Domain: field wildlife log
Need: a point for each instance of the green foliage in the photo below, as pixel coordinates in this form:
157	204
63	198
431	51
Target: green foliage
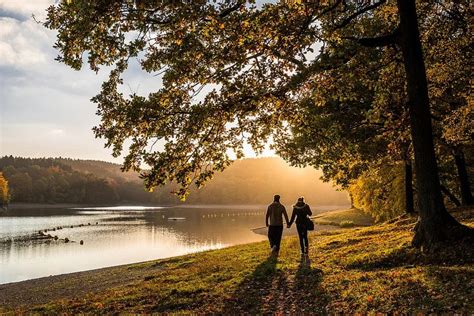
380	192
199	46
354	132
232	72
354	216
324	80
345	224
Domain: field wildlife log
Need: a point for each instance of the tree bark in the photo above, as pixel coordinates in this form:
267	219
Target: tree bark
409	203
465	186
435	222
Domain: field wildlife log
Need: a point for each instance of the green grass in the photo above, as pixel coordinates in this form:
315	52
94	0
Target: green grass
344	218
370	269
345	224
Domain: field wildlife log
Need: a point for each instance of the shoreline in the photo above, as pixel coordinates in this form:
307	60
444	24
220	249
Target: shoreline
21	205
319	229
380	270
68	285
82	284
259	231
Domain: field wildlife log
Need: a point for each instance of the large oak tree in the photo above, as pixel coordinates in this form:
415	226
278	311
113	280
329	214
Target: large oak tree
235	71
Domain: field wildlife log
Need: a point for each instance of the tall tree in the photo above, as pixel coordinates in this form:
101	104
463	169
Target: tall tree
234	71
436	224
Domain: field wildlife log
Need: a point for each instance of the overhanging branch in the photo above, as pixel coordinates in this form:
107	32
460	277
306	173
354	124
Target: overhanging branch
361	11
379	41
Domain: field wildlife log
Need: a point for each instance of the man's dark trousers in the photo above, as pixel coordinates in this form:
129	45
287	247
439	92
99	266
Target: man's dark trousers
274	236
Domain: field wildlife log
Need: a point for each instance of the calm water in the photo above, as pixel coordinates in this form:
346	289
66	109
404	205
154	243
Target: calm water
116	235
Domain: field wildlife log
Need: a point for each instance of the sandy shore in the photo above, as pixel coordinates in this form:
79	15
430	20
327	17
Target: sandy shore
66	286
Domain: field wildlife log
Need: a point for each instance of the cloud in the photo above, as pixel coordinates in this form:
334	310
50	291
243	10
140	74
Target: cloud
45	107
41	99
23	9
13	15
21	43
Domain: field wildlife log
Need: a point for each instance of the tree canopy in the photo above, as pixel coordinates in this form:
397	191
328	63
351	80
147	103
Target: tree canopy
231	71
336	84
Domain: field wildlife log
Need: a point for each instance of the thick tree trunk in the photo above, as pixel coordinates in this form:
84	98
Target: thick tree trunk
352	200
450	196
409	203
465	186
435	224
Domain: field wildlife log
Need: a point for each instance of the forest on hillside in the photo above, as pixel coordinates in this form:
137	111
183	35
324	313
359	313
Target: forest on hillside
248	181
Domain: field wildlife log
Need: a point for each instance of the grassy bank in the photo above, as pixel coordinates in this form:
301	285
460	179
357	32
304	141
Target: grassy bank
359	269
344	218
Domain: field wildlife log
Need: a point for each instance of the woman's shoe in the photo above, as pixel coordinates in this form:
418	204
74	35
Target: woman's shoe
274	251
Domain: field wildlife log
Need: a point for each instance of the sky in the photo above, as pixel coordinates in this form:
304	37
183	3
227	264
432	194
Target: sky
45	108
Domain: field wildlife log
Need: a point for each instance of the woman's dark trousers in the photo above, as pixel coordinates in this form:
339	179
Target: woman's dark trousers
274	236
303	234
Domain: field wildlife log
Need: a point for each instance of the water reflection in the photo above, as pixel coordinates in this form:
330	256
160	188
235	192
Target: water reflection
116	236
119	208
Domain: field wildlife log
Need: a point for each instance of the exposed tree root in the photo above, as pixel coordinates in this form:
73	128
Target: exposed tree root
432	235
402	219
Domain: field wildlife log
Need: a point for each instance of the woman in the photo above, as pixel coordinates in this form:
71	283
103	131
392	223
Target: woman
300	211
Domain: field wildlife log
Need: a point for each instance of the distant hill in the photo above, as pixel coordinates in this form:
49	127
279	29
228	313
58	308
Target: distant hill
258	179
247	181
100	168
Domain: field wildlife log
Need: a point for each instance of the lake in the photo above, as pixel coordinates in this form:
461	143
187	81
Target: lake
117	235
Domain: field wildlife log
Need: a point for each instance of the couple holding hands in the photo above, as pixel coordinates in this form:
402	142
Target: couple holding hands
274	221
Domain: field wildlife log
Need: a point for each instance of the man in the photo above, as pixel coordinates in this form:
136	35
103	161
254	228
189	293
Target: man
275	212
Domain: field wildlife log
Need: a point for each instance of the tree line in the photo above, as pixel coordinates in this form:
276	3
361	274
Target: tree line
249	181
51	181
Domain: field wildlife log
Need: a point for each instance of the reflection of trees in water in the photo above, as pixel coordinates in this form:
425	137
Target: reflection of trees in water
121	236
24	249
228	226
